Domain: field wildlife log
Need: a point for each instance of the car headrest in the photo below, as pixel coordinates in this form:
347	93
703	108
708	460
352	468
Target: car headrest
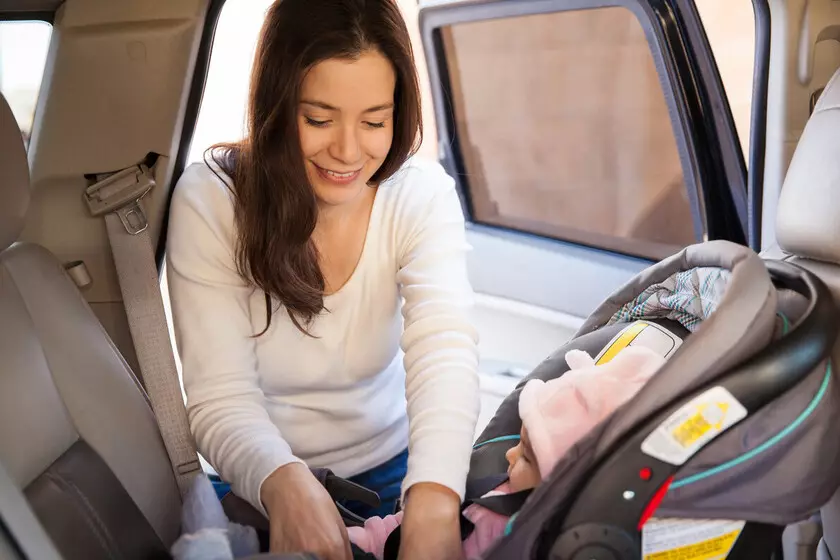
808	216
14	177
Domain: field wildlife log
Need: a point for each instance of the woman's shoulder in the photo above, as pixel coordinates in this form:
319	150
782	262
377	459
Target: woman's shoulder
202	195
415	188
206	190
418	182
205	183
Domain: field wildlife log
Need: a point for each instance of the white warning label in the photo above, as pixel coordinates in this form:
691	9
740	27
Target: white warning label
689	539
693	425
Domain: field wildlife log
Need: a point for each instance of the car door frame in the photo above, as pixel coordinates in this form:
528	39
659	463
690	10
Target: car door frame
516	264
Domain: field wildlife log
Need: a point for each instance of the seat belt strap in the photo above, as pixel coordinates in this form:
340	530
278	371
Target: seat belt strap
117	198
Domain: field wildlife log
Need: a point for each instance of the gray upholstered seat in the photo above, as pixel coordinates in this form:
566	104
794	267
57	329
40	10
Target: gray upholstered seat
77	434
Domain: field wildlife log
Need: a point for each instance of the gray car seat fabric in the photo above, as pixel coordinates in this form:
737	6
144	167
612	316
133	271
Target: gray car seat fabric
77	434
808	231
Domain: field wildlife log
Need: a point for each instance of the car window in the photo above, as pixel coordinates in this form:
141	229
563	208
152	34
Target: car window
23	54
576	143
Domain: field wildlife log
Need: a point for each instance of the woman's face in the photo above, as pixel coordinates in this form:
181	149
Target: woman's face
346	127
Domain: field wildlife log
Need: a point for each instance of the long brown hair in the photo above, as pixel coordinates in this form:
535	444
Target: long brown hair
274	204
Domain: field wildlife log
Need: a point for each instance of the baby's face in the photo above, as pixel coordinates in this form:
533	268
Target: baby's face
522	470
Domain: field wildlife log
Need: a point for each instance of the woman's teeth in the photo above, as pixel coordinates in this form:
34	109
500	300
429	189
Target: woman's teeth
340	175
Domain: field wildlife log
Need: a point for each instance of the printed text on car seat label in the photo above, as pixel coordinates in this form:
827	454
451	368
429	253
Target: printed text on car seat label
689	539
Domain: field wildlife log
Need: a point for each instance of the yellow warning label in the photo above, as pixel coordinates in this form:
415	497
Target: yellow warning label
712	549
689	539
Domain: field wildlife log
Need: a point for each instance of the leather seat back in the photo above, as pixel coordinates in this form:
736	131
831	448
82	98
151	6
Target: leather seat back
77	434
808	231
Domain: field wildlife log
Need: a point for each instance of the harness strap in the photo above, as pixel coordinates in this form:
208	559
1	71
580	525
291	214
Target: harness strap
505	504
392	543
480	486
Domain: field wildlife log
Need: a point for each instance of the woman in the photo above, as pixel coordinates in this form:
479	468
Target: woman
319	288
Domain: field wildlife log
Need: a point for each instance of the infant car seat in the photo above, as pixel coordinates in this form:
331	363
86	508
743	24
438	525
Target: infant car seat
726	445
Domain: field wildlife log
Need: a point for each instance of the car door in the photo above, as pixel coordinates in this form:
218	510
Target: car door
588	138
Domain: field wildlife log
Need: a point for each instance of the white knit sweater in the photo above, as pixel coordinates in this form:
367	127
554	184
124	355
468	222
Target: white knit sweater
396	334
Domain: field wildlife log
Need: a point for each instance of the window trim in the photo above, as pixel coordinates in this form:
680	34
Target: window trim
674	52
40	15
728	186
758	122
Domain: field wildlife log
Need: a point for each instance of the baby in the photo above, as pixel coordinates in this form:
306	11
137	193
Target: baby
555	415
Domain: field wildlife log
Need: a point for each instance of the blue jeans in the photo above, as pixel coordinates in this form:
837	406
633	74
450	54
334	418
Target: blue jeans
385	480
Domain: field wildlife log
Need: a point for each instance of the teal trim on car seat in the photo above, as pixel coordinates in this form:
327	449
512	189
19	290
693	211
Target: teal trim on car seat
509	526
496	440
767	444
785	323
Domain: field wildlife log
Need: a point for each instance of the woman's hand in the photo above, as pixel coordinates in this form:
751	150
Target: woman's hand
431	525
302	515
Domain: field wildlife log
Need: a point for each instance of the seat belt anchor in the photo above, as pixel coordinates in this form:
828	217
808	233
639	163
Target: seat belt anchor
121	193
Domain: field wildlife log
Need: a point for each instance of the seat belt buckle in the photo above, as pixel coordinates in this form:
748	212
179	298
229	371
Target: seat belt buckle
121	193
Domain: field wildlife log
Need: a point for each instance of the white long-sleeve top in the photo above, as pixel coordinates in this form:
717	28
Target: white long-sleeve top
394	362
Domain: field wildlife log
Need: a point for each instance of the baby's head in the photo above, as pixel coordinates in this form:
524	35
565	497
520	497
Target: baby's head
558	413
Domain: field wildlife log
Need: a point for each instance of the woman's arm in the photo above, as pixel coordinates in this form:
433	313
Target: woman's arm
439	340
212	318
441	362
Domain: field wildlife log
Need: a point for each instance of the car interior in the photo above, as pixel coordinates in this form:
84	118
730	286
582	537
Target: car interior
624	140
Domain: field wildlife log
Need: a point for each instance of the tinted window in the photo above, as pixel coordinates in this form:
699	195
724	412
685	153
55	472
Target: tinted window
564	130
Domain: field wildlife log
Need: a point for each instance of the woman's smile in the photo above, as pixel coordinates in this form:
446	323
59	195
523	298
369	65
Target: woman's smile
337	177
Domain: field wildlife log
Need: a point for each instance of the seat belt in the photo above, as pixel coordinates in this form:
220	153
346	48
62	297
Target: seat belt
117	198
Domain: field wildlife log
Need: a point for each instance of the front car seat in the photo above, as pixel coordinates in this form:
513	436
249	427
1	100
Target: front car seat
808	233
77	433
